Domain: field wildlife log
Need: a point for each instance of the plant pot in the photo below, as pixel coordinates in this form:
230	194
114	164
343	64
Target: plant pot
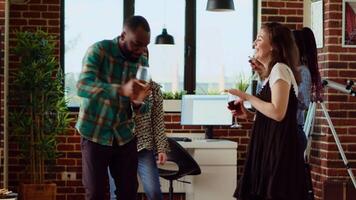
38	191
172	105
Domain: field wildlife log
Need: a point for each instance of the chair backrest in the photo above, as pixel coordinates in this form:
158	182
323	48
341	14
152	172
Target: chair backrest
185	162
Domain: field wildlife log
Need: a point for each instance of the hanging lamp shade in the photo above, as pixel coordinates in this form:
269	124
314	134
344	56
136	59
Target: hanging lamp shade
164	38
220	5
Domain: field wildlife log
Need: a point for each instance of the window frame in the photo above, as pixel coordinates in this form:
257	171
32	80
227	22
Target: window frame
189	79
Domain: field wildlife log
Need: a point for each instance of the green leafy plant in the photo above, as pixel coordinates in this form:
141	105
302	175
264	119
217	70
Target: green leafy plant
174	95
41	113
242	82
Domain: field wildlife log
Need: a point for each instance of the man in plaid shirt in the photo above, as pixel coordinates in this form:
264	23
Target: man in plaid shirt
110	98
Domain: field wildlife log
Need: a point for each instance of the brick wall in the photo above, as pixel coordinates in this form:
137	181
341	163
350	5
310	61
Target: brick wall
336	63
288	12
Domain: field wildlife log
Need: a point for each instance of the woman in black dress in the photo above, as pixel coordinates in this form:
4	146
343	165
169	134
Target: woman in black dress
273	170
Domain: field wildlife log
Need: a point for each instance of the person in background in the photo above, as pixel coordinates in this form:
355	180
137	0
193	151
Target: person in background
110	98
151	141
310	89
310	85
304	88
311	61
273	170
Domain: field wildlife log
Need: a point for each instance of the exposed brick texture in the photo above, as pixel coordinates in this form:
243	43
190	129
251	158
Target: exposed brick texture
288	12
337	63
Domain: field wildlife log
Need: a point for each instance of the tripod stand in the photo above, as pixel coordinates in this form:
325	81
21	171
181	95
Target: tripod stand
308	129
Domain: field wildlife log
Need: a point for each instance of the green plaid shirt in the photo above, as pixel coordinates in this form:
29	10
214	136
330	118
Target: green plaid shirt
104	115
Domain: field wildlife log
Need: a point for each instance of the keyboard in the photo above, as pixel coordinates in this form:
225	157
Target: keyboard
181	139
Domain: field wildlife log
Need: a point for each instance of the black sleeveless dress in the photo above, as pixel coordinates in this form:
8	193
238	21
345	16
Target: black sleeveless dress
273	170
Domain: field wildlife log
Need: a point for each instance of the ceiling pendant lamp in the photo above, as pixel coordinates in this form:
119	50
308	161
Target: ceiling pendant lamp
220	5
164	38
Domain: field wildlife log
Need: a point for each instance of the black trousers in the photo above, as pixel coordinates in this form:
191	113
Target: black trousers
122	161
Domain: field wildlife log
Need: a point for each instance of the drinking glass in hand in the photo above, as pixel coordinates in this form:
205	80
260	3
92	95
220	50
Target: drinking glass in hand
236	108
143	74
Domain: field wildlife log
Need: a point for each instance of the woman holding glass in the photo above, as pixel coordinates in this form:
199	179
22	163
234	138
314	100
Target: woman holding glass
273	170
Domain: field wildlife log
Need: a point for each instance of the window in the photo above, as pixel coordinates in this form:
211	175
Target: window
224	42
212	57
86	22
166	61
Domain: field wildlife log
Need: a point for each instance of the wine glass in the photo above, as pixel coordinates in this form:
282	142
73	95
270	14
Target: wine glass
233	106
143	74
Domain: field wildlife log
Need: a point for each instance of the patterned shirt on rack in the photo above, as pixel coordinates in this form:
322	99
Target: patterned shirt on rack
150	126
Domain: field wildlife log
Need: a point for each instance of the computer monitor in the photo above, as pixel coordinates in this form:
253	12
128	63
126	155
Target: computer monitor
207	110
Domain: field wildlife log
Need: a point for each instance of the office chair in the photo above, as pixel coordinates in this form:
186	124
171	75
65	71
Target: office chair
185	162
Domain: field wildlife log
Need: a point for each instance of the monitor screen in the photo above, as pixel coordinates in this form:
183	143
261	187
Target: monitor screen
205	110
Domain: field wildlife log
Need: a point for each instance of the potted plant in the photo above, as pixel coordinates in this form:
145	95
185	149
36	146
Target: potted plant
41	113
172	101
242	82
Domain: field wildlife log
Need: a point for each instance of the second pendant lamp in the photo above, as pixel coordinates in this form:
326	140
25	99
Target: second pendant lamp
220	5
164	38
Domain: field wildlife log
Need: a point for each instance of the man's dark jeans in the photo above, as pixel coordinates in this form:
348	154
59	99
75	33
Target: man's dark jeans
122	161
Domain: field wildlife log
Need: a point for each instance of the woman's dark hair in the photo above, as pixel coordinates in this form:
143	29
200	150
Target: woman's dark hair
298	38
284	49
311	60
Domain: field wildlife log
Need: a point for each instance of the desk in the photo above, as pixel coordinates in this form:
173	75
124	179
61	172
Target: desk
217	160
